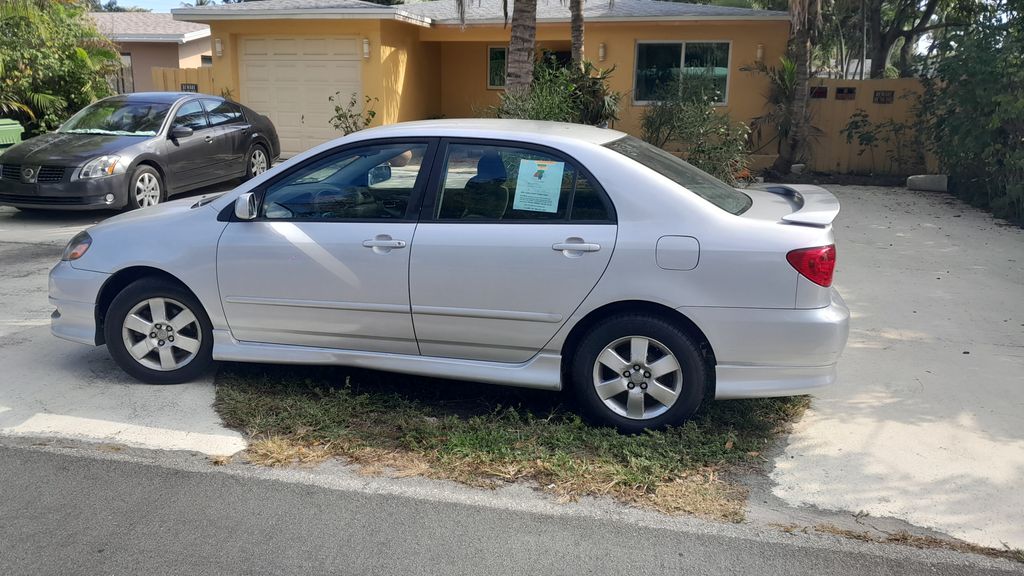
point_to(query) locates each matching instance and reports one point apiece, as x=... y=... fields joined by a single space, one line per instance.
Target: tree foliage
x=578 y=94
x=52 y=62
x=973 y=109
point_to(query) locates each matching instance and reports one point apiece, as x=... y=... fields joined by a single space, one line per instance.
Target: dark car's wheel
x=257 y=162
x=637 y=371
x=158 y=332
x=145 y=188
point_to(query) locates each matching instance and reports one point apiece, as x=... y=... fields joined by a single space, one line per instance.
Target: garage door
x=289 y=78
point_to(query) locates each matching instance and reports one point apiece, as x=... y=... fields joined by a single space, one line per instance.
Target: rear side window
x=222 y=112
x=683 y=173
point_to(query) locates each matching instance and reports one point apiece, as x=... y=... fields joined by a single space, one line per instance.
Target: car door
x=231 y=133
x=326 y=262
x=190 y=158
x=512 y=240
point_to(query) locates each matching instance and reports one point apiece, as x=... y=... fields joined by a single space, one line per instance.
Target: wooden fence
x=184 y=80
x=887 y=109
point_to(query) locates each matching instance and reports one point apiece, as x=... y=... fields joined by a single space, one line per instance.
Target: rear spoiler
x=816 y=206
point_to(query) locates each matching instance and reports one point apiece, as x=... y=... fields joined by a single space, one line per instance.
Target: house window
x=846 y=93
x=207 y=60
x=884 y=96
x=819 y=92
x=658 y=64
x=497 y=65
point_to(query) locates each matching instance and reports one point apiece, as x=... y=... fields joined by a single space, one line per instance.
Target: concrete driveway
x=926 y=422
x=55 y=388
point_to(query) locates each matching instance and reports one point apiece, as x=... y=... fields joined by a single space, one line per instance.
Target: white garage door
x=289 y=78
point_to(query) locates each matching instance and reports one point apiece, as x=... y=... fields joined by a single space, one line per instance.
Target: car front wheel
x=257 y=162
x=159 y=333
x=145 y=188
x=638 y=371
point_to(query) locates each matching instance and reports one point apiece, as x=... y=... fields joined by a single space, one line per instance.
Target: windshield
x=118 y=118
x=683 y=173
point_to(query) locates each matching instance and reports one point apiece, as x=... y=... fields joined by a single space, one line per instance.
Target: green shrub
x=54 y=62
x=353 y=116
x=563 y=94
x=683 y=119
x=973 y=110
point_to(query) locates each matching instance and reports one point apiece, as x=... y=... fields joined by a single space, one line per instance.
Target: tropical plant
x=901 y=140
x=576 y=30
x=684 y=118
x=353 y=116
x=53 y=63
x=805 y=25
x=522 y=46
x=776 y=123
x=579 y=94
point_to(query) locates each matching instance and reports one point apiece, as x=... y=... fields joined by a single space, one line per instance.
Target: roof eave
x=565 y=20
x=159 y=38
x=208 y=15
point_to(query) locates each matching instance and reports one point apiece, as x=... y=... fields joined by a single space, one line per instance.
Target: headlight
x=102 y=166
x=77 y=247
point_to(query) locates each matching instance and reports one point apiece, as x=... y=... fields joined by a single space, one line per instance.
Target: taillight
x=815 y=264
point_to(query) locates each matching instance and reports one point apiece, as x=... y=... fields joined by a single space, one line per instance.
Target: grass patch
x=489 y=435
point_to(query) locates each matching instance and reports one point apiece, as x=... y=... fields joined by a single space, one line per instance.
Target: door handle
x=383 y=244
x=575 y=247
x=208 y=139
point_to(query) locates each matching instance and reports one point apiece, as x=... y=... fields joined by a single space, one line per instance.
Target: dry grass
x=489 y=436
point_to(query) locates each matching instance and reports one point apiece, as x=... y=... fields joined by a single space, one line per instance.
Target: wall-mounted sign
x=186 y=87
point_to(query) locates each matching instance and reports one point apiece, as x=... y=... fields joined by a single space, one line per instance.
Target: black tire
x=249 y=174
x=140 y=172
x=693 y=371
x=139 y=292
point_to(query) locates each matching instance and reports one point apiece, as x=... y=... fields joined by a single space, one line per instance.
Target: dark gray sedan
x=136 y=150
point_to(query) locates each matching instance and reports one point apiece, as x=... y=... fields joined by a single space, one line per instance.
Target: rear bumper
x=774 y=352
x=66 y=195
x=73 y=294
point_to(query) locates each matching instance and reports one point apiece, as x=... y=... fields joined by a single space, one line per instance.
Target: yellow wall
x=411 y=75
x=190 y=54
x=464 y=60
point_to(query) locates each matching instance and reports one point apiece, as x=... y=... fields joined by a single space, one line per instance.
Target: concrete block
x=928 y=182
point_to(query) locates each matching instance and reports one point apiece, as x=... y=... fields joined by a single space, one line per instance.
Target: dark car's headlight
x=77 y=247
x=101 y=167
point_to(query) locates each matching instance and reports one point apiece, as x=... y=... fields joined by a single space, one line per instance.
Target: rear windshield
x=683 y=173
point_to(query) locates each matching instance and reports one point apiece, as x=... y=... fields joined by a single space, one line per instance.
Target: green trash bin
x=10 y=133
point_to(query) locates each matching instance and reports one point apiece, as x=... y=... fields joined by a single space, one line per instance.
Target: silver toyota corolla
x=512 y=252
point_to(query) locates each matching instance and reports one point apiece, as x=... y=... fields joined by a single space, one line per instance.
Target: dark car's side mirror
x=181 y=132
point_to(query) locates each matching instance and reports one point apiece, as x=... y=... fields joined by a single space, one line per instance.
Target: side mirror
x=181 y=132
x=379 y=174
x=245 y=206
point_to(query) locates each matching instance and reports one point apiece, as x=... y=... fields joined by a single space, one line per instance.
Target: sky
x=154 y=5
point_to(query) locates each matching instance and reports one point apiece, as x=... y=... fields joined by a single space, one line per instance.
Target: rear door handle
x=208 y=139
x=383 y=243
x=578 y=246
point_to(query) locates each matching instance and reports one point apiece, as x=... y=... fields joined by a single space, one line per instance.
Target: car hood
x=64 y=149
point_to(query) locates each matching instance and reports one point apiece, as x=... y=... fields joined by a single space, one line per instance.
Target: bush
x=54 y=62
x=683 y=118
x=563 y=94
x=352 y=117
x=974 y=110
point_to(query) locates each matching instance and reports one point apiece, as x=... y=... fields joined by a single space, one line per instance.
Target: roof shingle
x=146 y=26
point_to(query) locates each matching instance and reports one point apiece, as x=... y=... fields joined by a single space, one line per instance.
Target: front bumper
x=73 y=294
x=774 y=352
x=68 y=194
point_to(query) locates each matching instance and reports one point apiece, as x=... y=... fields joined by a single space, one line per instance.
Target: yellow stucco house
x=285 y=57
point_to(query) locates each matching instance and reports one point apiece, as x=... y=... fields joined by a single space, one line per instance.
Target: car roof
x=497 y=128
x=159 y=97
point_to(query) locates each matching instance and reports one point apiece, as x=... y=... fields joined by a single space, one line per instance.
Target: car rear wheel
x=145 y=188
x=159 y=333
x=637 y=371
x=257 y=162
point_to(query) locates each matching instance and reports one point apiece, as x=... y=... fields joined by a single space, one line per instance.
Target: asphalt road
x=72 y=515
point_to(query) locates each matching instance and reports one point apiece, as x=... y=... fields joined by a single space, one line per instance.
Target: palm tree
x=523 y=45
x=805 y=18
x=576 y=19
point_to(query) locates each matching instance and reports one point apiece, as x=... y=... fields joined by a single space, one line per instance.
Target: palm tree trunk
x=522 y=46
x=802 y=60
x=576 y=9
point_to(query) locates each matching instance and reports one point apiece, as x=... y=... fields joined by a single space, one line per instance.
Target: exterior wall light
x=759 y=57
x=366 y=48
x=218 y=47
x=602 y=52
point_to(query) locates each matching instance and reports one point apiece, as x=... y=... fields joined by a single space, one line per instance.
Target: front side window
x=370 y=182
x=222 y=112
x=485 y=182
x=191 y=115
x=683 y=173
x=660 y=64
x=497 y=64
x=119 y=118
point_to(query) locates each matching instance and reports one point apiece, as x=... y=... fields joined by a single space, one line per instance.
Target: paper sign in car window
x=539 y=185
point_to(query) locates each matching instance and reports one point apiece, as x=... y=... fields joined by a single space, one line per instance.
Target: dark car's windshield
x=683 y=173
x=118 y=118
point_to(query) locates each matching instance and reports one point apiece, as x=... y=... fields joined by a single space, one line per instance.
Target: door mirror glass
x=181 y=132
x=245 y=206
x=378 y=174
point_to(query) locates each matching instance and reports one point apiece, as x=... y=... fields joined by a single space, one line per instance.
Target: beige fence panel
x=882 y=100
x=184 y=79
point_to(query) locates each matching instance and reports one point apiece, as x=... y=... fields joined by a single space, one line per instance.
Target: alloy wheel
x=161 y=334
x=147 y=190
x=637 y=377
x=258 y=163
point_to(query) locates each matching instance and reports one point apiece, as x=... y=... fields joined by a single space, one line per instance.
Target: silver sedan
x=522 y=253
